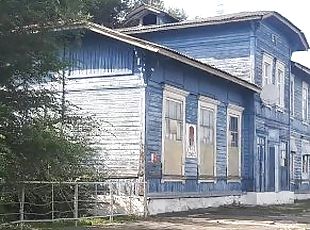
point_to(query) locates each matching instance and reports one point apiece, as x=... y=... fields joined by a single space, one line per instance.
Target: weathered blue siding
x=272 y=118
x=105 y=83
x=196 y=83
x=226 y=47
x=98 y=56
x=300 y=130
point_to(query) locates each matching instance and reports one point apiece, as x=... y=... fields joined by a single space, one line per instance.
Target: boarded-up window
x=174 y=102
x=234 y=142
x=207 y=142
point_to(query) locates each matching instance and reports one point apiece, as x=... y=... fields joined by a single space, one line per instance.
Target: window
x=280 y=83
x=305 y=102
x=207 y=109
x=174 y=120
x=173 y=131
x=234 y=118
x=283 y=154
x=305 y=164
x=267 y=69
x=293 y=151
x=305 y=160
x=292 y=95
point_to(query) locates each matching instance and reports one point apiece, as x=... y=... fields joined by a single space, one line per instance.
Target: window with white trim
x=280 y=83
x=305 y=160
x=267 y=67
x=292 y=95
x=283 y=154
x=305 y=164
x=173 y=131
x=207 y=111
x=234 y=123
x=305 y=101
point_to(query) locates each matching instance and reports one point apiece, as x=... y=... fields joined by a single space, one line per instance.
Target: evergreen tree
x=34 y=142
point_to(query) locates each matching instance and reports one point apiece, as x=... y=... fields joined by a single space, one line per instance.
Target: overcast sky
x=296 y=11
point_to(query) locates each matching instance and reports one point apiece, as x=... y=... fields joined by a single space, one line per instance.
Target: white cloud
x=296 y=11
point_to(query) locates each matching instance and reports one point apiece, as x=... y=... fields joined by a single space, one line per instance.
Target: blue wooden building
x=300 y=139
x=179 y=124
x=180 y=106
x=256 y=47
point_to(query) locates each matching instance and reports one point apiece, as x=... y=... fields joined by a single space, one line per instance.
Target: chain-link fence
x=30 y=202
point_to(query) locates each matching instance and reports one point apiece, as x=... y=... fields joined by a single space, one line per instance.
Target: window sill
x=234 y=179
x=206 y=180
x=305 y=122
x=173 y=179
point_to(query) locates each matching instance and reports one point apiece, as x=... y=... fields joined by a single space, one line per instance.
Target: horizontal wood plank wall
x=195 y=83
x=105 y=83
x=300 y=129
x=227 y=47
x=116 y=103
x=273 y=42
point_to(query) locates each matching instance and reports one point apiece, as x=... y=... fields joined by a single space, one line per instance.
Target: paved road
x=295 y=216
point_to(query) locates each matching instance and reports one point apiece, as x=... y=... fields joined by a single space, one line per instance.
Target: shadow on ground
x=295 y=216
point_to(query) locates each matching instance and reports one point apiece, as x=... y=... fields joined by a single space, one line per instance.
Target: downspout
x=253 y=44
x=289 y=126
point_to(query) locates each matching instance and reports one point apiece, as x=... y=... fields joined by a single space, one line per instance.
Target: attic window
x=150 y=19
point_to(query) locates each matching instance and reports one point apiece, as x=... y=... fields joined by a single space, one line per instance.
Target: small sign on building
x=191 y=140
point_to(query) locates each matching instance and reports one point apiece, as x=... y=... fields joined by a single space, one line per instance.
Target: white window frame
x=212 y=104
x=292 y=95
x=177 y=94
x=234 y=111
x=305 y=86
x=269 y=60
x=280 y=84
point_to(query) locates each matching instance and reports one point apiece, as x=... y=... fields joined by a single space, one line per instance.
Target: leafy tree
x=111 y=13
x=35 y=143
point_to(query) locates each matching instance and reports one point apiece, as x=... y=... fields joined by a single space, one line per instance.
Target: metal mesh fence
x=51 y=201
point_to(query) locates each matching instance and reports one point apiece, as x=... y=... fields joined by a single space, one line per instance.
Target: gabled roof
x=226 y=19
x=143 y=9
x=301 y=67
x=164 y=51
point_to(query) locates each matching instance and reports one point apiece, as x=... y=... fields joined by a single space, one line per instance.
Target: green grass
x=68 y=225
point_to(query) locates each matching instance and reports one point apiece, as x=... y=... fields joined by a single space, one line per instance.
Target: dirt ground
x=295 y=216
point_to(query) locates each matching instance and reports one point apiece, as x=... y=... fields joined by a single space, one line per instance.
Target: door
x=261 y=163
x=271 y=169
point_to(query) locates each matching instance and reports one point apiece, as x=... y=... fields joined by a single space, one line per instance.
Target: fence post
x=52 y=200
x=22 y=206
x=145 y=198
x=96 y=199
x=76 y=203
x=111 y=203
x=131 y=197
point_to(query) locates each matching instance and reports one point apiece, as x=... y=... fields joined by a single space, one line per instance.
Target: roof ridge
x=202 y=20
x=165 y=51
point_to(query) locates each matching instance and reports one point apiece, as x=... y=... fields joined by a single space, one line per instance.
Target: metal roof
x=144 y=7
x=222 y=19
x=155 y=48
